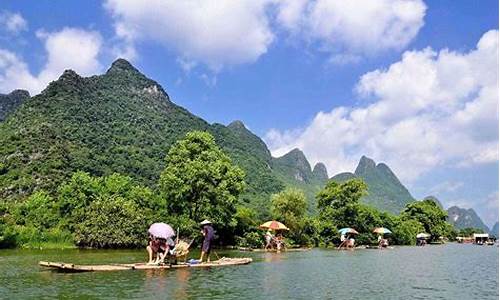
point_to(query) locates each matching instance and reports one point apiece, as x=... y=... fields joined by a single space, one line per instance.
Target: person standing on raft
x=208 y=236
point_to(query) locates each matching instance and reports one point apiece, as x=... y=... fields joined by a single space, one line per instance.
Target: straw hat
x=205 y=222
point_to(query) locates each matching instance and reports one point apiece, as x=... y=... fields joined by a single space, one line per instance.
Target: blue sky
x=410 y=83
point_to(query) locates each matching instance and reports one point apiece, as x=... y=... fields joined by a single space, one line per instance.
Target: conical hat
x=205 y=222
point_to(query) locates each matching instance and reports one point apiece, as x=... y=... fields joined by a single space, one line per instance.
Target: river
x=451 y=271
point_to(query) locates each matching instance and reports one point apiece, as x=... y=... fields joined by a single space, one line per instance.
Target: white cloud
x=227 y=32
x=215 y=33
x=353 y=28
x=446 y=186
x=70 y=48
x=429 y=109
x=12 y=22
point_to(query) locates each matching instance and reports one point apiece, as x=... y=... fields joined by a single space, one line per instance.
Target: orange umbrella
x=381 y=230
x=274 y=225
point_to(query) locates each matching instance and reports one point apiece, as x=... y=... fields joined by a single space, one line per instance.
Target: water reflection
x=448 y=272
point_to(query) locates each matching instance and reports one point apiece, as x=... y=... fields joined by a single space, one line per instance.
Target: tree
x=112 y=223
x=77 y=195
x=338 y=195
x=430 y=216
x=200 y=181
x=469 y=231
x=338 y=205
x=340 y=201
x=289 y=207
x=404 y=232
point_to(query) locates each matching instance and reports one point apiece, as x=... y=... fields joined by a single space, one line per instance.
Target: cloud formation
x=429 y=109
x=13 y=23
x=226 y=32
x=349 y=29
x=69 y=48
x=215 y=33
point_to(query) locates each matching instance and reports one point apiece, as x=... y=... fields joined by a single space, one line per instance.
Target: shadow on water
x=433 y=272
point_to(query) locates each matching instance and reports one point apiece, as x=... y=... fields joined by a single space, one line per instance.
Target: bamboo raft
x=68 y=267
x=273 y=250
x=378 y=248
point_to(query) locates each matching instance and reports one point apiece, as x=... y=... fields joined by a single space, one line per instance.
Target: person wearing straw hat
x=208 y=235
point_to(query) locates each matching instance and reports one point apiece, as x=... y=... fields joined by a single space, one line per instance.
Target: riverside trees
x=199 y=181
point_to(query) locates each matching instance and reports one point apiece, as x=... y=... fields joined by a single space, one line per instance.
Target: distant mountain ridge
x=385 y=191
x=432 y=198
x=10 y=102
x=465 y=218
x=494 y=230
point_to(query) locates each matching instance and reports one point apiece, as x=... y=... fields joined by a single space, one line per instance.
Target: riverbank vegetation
x=199 y=182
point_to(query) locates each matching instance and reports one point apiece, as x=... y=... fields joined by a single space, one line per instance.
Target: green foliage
x=39 y=211
x=118 y=122
x=200 y=181
x=8 y=236
x=246 y=220
x=250 y=239
x=405 y=231
x=469 y=231
x=29 y=236
x=339 y=206
x=340 y=202
x=82 y=190
x=385 y=191
x=430 y=216
x=289 y=207
x=112 y=223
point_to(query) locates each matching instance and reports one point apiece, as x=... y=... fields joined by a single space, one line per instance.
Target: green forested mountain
x=320 y=172
x=10 y=102
x=294 y=170
x=432 y=198
x=124 y=122
x=385 y=191
x=465 y=218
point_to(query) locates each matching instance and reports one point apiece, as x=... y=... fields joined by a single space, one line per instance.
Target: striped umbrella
x=274 y=225
x=381 y=230
x=348 y=230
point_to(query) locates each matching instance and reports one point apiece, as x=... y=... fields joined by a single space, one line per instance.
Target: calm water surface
x=450 y=271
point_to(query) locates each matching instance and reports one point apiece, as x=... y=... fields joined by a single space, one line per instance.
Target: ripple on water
x=432 y=272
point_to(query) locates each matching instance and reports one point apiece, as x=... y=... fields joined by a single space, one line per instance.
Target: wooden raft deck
x=68 y=267
x=273 y=250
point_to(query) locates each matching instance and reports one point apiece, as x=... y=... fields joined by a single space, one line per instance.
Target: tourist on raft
x=158 y=249
x=382 y=243
x=269 y=240
x=208 y=236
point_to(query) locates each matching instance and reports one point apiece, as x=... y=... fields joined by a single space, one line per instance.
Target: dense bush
x=113 y=223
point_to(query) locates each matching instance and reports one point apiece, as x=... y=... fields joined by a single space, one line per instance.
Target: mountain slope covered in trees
x=124 y=122
x=10 y=102
x=463 y=218
x=385 y=191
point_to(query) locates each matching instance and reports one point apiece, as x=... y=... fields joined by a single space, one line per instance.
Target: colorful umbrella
x=348 y=230
x=423 y=235
x=381 y=230
x=274 y=225
x=161 y=230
